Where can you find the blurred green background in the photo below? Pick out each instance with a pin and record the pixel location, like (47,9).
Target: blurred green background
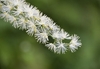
(82,17)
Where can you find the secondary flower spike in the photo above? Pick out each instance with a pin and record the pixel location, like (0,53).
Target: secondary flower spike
(22,15)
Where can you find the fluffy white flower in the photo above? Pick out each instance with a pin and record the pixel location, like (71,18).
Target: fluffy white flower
(22,15)
(31,28)
(51,46)
(16,2)
(11,19)
(61,48)
(4,15)
(22,22)
(6,8)
(53,26)
(15,24)
(64,35)
(55,35)
(28,10)
(42,37)
(7,17)
(43,23)
(74,43)
(60,35)
(18,10)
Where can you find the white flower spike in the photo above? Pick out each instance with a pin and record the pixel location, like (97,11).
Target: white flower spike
(22,15)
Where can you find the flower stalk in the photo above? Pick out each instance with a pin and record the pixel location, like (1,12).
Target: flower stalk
(24,16)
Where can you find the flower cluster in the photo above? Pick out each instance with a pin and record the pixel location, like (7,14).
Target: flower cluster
(24,16)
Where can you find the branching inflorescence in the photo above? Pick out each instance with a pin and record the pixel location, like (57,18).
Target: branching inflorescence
(24,16)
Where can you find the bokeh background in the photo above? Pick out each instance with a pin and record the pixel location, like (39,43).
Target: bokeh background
(82,17)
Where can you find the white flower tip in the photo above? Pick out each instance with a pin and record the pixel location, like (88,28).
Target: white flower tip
(74,43)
